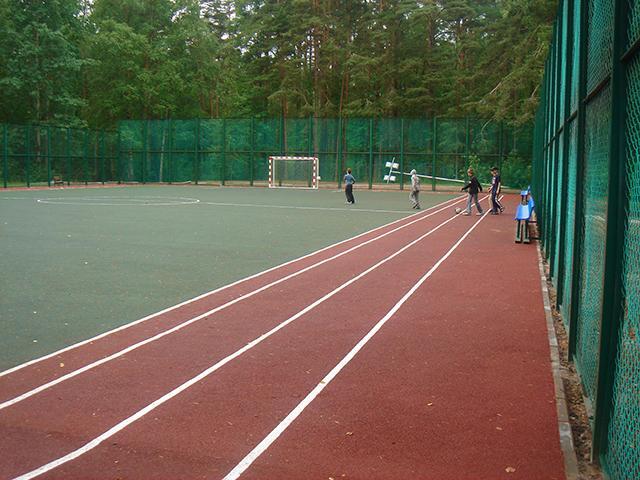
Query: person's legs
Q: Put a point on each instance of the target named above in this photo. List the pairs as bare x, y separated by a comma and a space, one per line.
467, 211
417, 200
494, 203
413, 196
475, 200
348, 190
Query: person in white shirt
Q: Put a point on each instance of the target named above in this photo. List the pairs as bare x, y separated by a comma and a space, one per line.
415, 190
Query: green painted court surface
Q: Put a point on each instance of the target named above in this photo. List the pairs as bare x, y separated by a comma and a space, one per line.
78, 262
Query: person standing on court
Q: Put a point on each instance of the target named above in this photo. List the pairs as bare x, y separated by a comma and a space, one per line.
473, 187
496, 186
415, 190
349, 180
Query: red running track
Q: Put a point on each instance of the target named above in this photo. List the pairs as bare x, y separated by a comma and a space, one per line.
456, 384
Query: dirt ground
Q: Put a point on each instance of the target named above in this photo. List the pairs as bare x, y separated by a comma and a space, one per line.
578, 415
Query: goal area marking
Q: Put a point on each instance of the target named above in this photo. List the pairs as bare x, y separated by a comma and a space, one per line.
293, 172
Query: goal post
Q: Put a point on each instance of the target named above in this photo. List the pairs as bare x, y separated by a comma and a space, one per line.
293, 172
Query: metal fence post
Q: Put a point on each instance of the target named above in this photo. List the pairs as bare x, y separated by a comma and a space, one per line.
566, 119
553, 199
434, 154
103, 154
85, 159
119, 157
283, 135
545, 156
553, 164
5, 155
28, 157
339, 154
197, 155
171, 169
143, 158
548, 223
224, 152
467, 141
252, 165
67, 160
401, 153
48, 156
500, 146
574, 309
310, 144
370, 153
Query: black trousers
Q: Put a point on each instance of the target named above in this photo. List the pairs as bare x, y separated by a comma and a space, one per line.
348, 191
496, 206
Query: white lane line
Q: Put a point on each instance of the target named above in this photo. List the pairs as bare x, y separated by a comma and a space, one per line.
119, 201
451, 201
90, 366
168, 396
335, 209
246, 462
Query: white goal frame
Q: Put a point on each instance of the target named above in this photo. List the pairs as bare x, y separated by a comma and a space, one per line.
314, 172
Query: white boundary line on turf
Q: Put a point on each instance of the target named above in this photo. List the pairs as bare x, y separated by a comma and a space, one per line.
176, 391
133, 201
293, 207
224, 287
186, 323
246, 462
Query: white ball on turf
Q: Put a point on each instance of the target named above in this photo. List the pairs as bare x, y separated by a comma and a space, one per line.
458, 210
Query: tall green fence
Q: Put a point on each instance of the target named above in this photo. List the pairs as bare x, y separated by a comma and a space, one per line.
235, 151
34, 155
586, 179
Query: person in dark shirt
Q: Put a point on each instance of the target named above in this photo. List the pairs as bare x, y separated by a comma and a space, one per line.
496, 185
472, 188
349, 180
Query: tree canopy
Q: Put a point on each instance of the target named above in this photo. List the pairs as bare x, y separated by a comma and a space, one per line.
92, 63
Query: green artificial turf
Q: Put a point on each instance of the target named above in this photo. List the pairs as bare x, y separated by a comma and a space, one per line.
97, 258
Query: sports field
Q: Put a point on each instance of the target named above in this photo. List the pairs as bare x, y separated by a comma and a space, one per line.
377, 348
77, 262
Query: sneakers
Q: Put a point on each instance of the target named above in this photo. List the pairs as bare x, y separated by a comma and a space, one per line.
479, 214
465, 213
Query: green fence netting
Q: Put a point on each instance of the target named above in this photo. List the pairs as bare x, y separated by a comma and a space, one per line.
235, 151
595, 195
34, 155
624, 436
586, 177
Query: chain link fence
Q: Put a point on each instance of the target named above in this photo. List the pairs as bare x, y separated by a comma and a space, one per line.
586, 180
235, 151
45, 155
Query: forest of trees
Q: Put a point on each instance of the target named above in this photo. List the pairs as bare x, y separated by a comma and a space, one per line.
94, 62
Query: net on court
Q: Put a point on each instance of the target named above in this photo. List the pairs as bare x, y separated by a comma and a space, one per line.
293, 172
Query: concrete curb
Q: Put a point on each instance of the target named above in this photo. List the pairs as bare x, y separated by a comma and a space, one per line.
564, 426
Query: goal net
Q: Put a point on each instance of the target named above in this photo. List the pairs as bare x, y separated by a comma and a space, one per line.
293, 172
